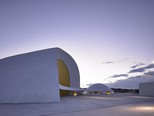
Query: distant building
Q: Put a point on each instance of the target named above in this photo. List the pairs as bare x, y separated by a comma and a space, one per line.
146, 89
40, 76
98, 89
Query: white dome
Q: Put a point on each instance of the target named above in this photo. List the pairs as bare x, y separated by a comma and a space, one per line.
99, 88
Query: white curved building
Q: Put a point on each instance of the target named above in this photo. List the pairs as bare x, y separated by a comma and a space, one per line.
98, 89
40, 76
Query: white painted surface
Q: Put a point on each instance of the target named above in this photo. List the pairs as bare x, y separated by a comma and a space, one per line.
98, 87
33, 77
146, 89
69, 88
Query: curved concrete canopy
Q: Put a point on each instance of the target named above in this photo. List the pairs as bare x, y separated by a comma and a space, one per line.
69, 88
34, 76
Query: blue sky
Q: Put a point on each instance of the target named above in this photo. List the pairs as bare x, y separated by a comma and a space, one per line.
105, 37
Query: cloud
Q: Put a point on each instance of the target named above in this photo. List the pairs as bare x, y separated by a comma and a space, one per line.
149, 66
151, 73
137, 70
116, 61
120, 75
132, 82
142, 69
108, 62
139, 76
137, 65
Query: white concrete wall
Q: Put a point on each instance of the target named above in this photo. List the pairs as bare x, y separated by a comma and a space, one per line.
146, 89
31, 77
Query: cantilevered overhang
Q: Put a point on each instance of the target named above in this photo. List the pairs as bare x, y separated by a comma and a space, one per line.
69, 88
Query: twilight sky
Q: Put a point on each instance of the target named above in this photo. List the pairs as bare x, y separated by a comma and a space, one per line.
112, 41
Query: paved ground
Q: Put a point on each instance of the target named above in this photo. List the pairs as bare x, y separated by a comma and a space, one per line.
117, 105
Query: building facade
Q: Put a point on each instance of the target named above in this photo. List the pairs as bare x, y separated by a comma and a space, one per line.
36, 76
146, 89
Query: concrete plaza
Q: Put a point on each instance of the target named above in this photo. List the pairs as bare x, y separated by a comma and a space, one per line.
101, 105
